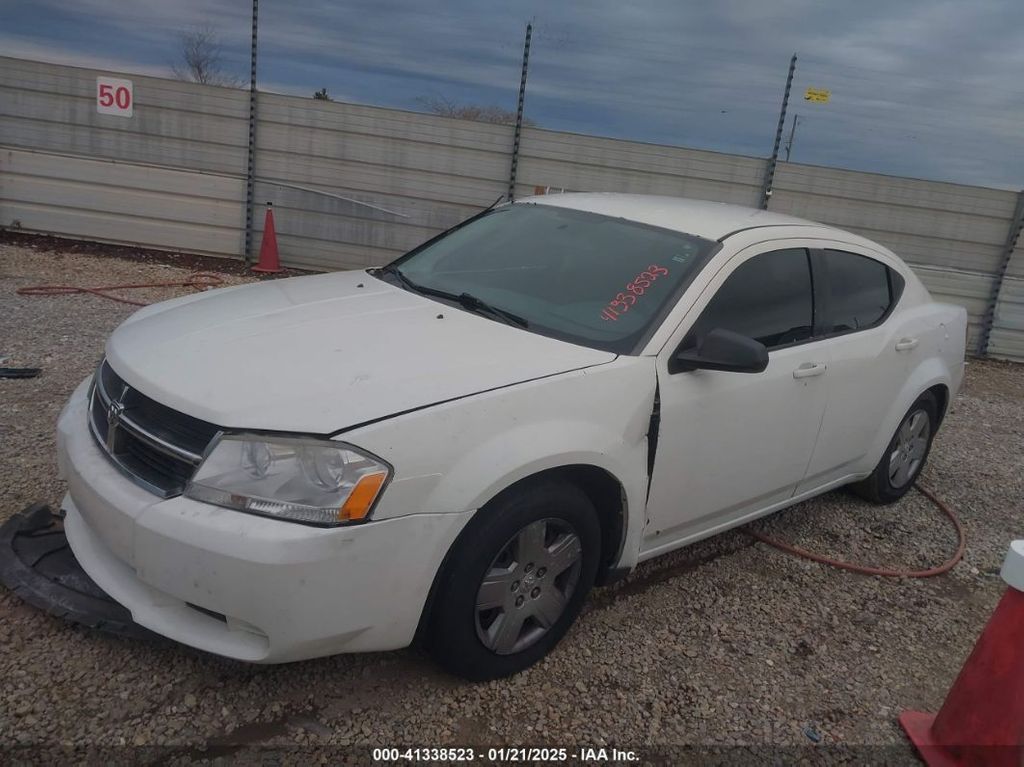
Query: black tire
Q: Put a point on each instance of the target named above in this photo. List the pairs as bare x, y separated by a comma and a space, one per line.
455, 625
880, 486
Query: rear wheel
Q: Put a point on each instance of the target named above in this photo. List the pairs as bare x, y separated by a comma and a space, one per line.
515, 581
905, 456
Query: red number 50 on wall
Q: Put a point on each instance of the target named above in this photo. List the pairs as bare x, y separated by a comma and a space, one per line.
114, 97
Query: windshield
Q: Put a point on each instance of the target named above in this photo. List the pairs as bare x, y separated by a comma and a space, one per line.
580, 277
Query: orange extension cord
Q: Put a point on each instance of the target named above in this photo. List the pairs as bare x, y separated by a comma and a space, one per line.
199, 281
945, 567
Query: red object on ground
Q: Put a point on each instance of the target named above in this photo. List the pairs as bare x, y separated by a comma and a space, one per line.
945, 567
982, 720
269, 261
199, 281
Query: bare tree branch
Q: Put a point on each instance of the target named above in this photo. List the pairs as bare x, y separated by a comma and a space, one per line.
201, 59
441, 105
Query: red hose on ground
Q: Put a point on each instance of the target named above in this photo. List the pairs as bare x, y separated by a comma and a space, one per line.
199, 280
865, 570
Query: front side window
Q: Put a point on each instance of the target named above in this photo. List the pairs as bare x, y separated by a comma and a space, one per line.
860, 291
581, 277
768, 298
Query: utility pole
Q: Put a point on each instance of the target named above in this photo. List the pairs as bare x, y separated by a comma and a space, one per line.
769, 176
519, 115
250, 175
792, 134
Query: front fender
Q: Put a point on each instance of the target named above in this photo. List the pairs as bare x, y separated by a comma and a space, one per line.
458, 455
498, 463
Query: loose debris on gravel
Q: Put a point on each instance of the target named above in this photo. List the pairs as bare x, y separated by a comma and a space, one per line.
725, 642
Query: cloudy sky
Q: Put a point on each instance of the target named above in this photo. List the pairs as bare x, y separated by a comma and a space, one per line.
925, 88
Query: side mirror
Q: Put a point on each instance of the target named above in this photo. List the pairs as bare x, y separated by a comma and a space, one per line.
722, 350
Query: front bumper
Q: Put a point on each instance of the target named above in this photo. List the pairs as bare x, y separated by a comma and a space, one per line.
239, 585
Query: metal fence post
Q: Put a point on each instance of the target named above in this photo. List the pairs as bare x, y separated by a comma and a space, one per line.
251, 163
769, 175
519, 116
1016, 223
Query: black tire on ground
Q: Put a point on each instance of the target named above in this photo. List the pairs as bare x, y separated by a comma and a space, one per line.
879, 487
453, 630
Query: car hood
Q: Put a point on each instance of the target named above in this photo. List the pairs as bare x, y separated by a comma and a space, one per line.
321, 353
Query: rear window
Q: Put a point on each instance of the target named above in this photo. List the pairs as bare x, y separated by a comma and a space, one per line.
860, 291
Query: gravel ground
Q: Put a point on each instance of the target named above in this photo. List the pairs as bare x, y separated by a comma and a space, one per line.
726, 642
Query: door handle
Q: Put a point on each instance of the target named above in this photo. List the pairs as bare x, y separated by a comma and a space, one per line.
809, 369
906, 344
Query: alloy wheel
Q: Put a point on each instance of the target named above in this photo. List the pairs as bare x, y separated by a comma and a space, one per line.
910, 448
528, 585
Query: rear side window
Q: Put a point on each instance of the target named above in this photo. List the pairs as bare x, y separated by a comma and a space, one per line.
860, 291
768, 298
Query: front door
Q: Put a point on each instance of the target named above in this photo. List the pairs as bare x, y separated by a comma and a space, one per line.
731, 444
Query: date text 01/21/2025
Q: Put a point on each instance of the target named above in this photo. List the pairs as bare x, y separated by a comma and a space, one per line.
621, 303
504, 754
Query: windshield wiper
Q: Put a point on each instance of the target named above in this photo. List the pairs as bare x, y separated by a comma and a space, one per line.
475, 304
465, 300
392, 269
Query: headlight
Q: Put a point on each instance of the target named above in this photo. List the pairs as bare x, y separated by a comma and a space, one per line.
314, 481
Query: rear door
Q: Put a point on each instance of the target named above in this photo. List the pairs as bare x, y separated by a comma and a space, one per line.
870, 355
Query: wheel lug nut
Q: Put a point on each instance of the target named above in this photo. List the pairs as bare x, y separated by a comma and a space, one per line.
536, 592
519, 601
529, 567
515, 586
541, 571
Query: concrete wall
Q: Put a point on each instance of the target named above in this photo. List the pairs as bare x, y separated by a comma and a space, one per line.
1007, 338
587, 163
173, 177
431, 171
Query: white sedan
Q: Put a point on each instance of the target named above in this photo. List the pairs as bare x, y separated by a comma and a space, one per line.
456, 447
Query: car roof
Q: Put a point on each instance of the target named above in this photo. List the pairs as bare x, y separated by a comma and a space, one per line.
711, 220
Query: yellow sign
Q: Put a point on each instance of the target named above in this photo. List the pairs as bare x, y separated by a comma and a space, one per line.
817, 94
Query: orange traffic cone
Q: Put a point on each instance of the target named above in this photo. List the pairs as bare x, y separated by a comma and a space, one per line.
269, 261
982, 720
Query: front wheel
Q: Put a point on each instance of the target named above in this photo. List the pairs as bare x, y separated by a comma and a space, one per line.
515, 581
905, 456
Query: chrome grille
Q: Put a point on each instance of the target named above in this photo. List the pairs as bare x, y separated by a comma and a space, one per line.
155, 446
